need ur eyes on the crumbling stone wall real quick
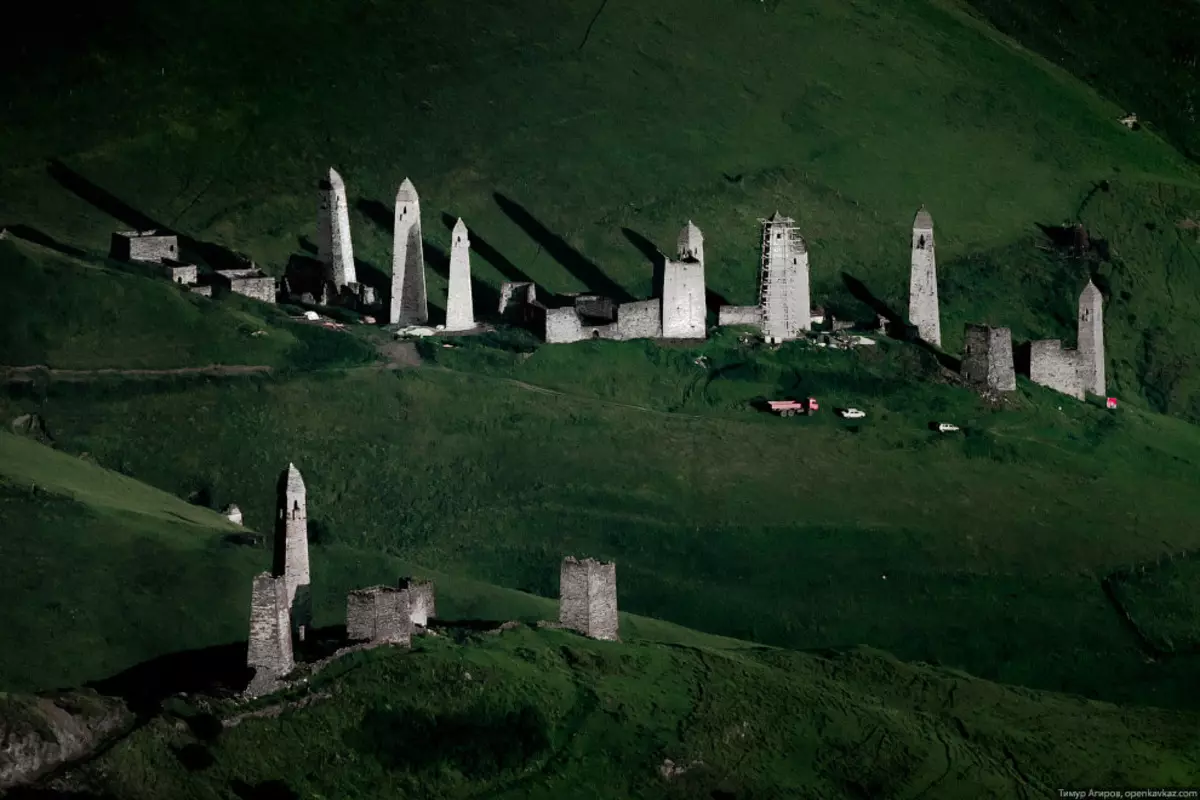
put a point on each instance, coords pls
(421, 600)
(1054, 367)
(409, 304)
(588, 597)
(1091, 340)
(514, 294)
(269, 650)
(148, 246)
(178, 272)
(683, 304)
(594, 309)
(988, 358)
(334, 247)
(291, 545)
(249, 282)
(740, 315)
(641, 319)
(379, 614)
(922, 287)
(460, 309)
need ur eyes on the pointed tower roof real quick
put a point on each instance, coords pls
(460, 229)
(1090, 292)
(335, 180)
(407, 192)
(291, 481)
(924, 220)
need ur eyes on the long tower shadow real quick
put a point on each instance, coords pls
(898, 327)
(582, 269)
(37, 237)
(488, 253)
(484, 299)
(214, 255)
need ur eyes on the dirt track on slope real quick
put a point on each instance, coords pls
(29, 374)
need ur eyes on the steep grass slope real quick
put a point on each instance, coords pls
(575, 137)
(985, 550)
(546, 714)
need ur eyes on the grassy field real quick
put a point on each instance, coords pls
(984, 551)
(547, 714)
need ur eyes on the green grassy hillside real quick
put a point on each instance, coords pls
(568, 135)
(547, 714)
(985, 551)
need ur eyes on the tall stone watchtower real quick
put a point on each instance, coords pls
(334, 248)
(409, 305)
(987, 361)
(922, 284)
(460, 310)
(784, 291)
(291, 547)
(588, 598)
(269, 649)
(683, 308)
(1091, 340)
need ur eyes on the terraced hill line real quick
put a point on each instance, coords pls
(27, 374)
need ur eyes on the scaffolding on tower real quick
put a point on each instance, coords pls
(777, 275)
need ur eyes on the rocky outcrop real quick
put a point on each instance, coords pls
(38, 734)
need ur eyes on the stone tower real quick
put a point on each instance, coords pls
(987, 361)
(1091, 340)
(691, 243)
(683, 307)
(291, 547)
(588, 598)
(460, 313)
(334, 248)
(408, 301)
(269, 650)
(784, 293)
(922, 283)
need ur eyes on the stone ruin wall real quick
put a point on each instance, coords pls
(740, 315)
(641, 319)
(563, 325)
(514, 294)
(683, 301)
(1054, 367)
(379, 614)
(422, 600)
(269, 650)
(178, 272)
(261, 288)
(145, 246)
(988, 358)
(588, 598)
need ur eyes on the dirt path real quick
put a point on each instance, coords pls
(29, 374)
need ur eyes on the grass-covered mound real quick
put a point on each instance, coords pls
(79, 312)
(548, 714)
(983, 550)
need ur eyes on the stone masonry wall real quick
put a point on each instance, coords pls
(291, 544)
(641, 319)
(178, 272)
(148, 246)
(922, 287)
(683, 302)
(1052, 366)
(563, 325)
(269, 650)
(422, 600)
(740, 315)
(379, 614)
(988, 358)
(408, 304)
(588, 597)
(460, 309)
(334, 247)
(1091, 340)
(262, 288)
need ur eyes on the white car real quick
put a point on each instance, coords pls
(946, 427)
(853, 413)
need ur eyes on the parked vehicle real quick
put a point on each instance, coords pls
(853, 413)
(790, 408)
(946, 427)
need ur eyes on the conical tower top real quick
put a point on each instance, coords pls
(407, 192)
(460, 230)
(335, 180)
(1090, 292)
(924, 220)
(291, 481)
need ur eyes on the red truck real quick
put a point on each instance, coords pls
(790, 408)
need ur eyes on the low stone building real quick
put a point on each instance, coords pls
(269, 649)
(251, 282)
(179, 272)
(144, 246)
(380, 614)
(988, 358)
(1054, 367)
(588, 598)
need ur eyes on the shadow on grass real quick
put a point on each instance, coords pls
(485, 299)
(213, 255)
(35, 236)
(581, 268)
(143, 687)
(264, 790)
(649, 251)
(898, 327)
(509, 270)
